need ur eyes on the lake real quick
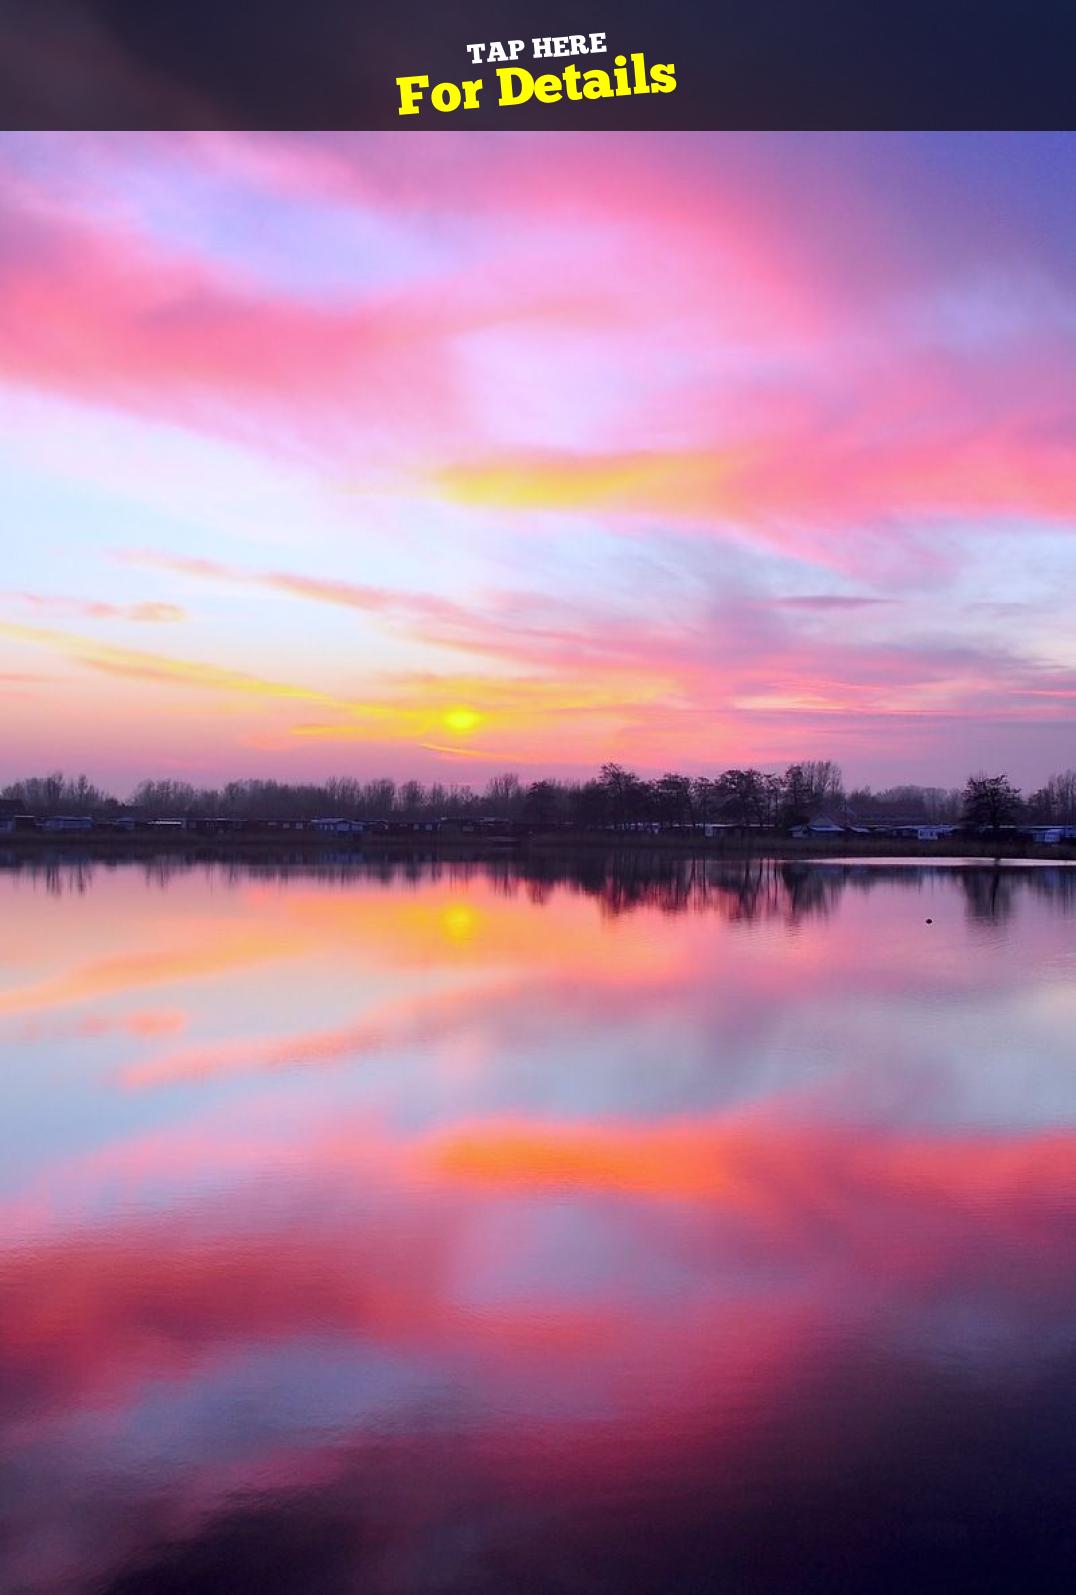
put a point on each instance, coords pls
(578, 1226)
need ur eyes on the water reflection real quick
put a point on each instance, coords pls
(748, 888)
(638, 1225)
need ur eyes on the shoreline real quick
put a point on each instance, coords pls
(294, 845)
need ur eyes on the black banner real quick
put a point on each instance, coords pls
(590, 64)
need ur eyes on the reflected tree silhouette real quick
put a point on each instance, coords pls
(741, 890)
(988, 894)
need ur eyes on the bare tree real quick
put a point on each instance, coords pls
(504, 793)
(825, 781)
(672, 799)
(625, 794)
(52, 793)
(1056, 801)
(747, 792)
(542, 801)
(990, 801)
(797, 798)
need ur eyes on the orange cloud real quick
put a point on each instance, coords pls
(635, 483)
(784, 489)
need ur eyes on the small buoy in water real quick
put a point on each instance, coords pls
(930, 922)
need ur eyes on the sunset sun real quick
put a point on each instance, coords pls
(461, 719)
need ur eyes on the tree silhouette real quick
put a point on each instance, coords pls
(990, 801)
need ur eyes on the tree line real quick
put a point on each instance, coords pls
(615, 796)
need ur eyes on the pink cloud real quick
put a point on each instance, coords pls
(760, 392)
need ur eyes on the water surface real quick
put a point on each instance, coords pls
(588, 1228)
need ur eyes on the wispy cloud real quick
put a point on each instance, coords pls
(827, 601)
(415, 607)
(146, 612)
(143, 666)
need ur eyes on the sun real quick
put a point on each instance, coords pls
(459, 922)
(461, 719)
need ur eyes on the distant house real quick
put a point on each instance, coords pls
(820, 826)
(494, 825)
(906, 827)
(67, 822)
(485, 825)
(338, 826)
(1051, 835)
(216, 824)
(12, 822)
(928, 831)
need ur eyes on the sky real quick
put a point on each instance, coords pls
(445, 454)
